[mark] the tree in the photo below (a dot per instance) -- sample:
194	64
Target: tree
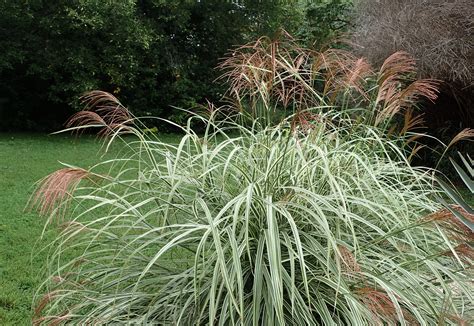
152	53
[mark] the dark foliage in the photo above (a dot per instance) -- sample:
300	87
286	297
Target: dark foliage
152	53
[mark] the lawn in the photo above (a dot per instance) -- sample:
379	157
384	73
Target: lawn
24	159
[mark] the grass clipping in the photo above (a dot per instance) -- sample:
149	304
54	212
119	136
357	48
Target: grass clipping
258	227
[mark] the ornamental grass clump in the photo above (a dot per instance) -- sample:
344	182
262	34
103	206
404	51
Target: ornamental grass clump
312	219
270	78
242	226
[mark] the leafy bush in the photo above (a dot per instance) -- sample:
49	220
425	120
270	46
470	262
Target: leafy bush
324	21
152	53
246	226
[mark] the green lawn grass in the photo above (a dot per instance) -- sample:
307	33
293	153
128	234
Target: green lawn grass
24	159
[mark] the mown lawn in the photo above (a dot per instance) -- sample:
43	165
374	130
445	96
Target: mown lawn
24	159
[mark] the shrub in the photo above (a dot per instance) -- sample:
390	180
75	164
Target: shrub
152	53
277	225
323	21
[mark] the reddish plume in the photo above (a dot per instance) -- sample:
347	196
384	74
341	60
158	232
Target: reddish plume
350	266
456	229
56	189
102	110
394	95
382	307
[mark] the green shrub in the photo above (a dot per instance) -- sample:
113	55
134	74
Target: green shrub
324	21
327	224
152	53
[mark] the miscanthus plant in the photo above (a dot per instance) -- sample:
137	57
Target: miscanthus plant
313	219
271	78
327	225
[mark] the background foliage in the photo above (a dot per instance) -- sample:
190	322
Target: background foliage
151	53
